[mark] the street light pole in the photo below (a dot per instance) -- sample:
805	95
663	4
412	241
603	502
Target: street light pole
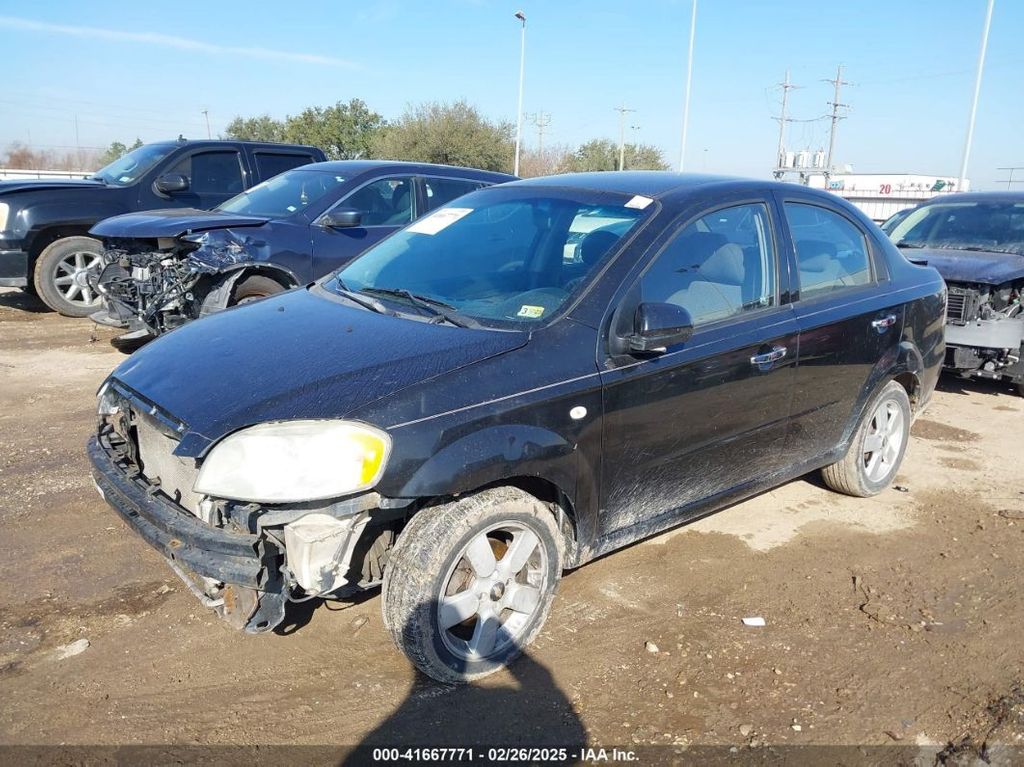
974	102
689	74
519	112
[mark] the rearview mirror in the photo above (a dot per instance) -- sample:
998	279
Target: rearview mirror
342	218
169	183
657	326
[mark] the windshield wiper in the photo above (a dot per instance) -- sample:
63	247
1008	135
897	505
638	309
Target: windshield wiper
363	301
432	305
910	245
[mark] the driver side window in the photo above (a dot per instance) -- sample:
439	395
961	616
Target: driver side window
718	266
387	202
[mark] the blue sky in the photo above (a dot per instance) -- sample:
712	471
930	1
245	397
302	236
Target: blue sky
149	69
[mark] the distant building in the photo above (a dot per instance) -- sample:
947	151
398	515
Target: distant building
880	195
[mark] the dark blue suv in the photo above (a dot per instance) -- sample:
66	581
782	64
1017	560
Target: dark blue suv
163	268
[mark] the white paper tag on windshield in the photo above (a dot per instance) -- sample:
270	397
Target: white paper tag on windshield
438	220
639	202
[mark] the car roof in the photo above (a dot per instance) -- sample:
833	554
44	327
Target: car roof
358	167
976	197
653	183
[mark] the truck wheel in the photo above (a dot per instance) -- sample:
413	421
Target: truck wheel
253	288
470	583
62	275
877	448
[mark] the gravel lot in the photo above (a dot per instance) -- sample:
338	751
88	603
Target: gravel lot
892	620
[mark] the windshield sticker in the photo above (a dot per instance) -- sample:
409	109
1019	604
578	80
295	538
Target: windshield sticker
438	220
291	208
532	312
639	202
124	179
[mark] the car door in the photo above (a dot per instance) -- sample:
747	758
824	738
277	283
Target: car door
848	318
214	176
386	204
710	414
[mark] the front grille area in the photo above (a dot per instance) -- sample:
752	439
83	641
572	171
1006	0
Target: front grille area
173	474
962	305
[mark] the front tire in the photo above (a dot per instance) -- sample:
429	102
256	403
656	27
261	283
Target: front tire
63	272
877	448
470	583
253	288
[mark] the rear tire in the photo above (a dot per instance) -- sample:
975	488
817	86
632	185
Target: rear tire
253	288
469	584
877	447
61	276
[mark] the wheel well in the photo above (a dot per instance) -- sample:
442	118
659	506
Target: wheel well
284	279
912	384
46	237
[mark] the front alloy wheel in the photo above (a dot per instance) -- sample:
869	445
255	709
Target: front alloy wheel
469	584
65	274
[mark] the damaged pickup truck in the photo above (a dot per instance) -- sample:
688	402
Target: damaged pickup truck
976	242
164	268
463	412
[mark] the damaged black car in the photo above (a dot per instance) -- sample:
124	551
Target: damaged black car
163	268
530	377
976	242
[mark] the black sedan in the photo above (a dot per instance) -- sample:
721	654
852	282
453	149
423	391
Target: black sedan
163	268
528	378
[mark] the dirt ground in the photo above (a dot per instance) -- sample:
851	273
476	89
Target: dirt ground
893	620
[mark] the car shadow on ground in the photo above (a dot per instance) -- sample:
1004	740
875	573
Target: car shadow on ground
532	712
954	384
20	299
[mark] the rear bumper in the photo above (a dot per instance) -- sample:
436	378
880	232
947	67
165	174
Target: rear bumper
231	558
13	268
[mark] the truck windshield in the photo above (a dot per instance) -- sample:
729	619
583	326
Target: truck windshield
505	257
284	195
981	225
127	168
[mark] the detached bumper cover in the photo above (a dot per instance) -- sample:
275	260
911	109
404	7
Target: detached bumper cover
13	268
232	558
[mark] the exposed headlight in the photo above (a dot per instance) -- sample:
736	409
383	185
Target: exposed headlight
106	400
287	461
4	210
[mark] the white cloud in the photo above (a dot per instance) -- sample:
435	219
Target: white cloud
169	41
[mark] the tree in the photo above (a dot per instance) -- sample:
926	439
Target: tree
552	159
603	154
343	131
115	151
261	128
450	134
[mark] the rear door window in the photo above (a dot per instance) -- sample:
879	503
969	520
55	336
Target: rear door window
269	164
831	251
443	190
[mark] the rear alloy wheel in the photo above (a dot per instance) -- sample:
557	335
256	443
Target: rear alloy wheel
469	584
65	274
877	448
253	288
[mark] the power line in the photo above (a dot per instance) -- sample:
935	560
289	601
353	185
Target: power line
783	119
1010	179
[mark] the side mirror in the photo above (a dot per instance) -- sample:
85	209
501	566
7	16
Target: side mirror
342	218
658	326
169	183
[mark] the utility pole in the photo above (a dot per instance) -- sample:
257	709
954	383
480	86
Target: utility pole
541	120
623	111
519	109
1010	179
689	79
786	88
974	101
206	114
836	105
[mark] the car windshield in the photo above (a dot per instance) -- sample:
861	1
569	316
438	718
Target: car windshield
127	168
990	226
284	195
502	257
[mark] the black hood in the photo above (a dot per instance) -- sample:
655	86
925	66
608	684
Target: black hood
171	222
47	185
985	267
302	354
